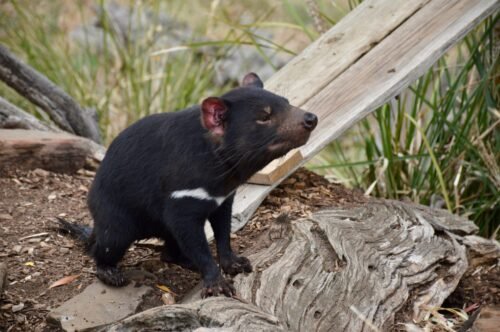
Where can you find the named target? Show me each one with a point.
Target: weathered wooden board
(277, 168)
(400, 55)
(331, 54)
(335, 51)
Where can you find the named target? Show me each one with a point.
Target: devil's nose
(310, 121)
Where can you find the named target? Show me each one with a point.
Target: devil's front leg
(220, 220)
(185, 219)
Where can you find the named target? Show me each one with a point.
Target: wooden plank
(278, 168)
(386, 70)
(393, 65)
(331, 54)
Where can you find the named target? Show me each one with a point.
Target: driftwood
(360, 268)
(12, 117)
(61, 108)
(57, 152)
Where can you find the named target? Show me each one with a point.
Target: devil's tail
(80, 232)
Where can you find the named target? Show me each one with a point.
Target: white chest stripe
(198, 193)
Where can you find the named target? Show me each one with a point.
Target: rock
(17, 248)
(18, 307)
(488, 320)
(41, 172)
(167, 298)
(130, 25)
(98, 305)
(5, 216)
(7, 306)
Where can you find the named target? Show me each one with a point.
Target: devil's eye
(265, 115)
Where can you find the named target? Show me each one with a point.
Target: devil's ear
(213, 115)
(252, 79)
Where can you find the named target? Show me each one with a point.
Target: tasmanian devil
(165, 175)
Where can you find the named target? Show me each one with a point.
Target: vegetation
(438, 143)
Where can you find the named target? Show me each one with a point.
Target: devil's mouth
(278, 146)
(283, 146)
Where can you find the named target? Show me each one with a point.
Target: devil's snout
(310, 121)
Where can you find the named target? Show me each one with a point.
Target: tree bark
(61, 108)
(355, 268)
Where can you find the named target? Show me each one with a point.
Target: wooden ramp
(371, 55)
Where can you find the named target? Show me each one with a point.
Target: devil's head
(252, 125)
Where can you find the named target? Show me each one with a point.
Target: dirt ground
(38, 254)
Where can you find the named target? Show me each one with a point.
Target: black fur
(216, 146)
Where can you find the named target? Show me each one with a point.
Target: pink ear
(213, 115)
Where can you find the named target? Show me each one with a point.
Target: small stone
(5, 216)
(64, 250)
(7, 306)
(83, 188)
(17, 248)
(68, 245)
(167, 298)
(233, 236)
(300, 185)
(52, 196)
(40, 172)
(18, 307)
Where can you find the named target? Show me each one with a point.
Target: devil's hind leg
(172, 253)
(114, 232)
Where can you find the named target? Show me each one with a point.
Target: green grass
(438, 143)
(126, 81)
(123, 81)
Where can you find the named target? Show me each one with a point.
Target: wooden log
(220, 314)
(354, 268)
(57, 152)
(61, 108)
(341, 97)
